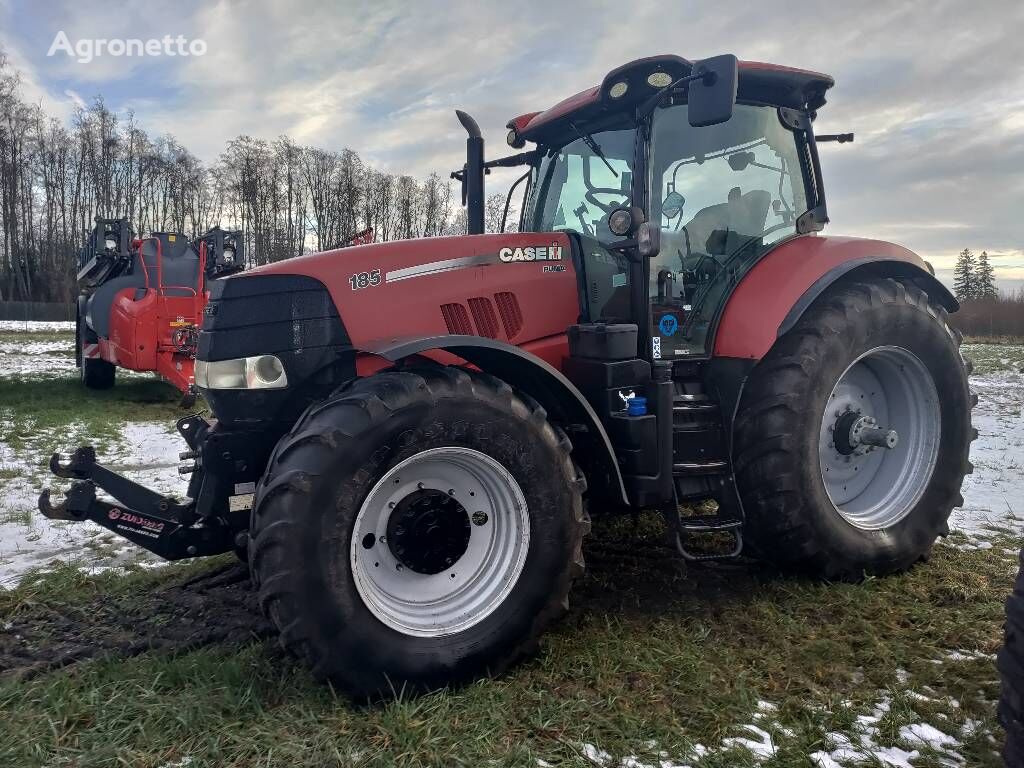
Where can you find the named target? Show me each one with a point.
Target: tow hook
(158, 523)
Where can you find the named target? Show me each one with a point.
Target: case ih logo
(531, 253)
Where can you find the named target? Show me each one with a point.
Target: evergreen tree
(985, 279)
(965, 280)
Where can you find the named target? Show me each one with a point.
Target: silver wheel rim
(874, 487)
(474, 584)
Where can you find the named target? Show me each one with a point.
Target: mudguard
(774, 294)
(525, 372)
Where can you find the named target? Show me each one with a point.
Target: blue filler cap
(636, 406)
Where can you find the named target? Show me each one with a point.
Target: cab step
(687, 527)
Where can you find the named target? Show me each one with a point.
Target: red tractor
(426, 423)
(141, 300)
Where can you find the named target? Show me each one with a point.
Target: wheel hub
(428, 531)
(855, 431)
(440, 541)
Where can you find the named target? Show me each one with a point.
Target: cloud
(932, 88)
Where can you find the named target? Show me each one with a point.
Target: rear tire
(328, 547)
(860, 341)
(94, 372)
(1011, 672)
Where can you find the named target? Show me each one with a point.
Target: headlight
(229, 256)
(258, 372)
(111, 244)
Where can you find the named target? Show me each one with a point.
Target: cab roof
(758, 81)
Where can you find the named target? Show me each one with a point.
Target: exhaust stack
(473, 175)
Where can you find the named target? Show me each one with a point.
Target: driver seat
(741, 218)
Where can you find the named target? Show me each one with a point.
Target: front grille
(257, 314)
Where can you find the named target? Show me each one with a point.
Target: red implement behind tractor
(428, 424)
(141, 300)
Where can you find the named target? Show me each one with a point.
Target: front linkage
(158, 523)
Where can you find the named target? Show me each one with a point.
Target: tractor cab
(717, 156)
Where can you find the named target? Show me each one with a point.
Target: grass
(1000, 340)
(652, 658)
(25, 337)
(44, 407)
(995, 358)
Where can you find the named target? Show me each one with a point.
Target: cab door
(723, 196)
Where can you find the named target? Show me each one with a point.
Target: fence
(37, 310)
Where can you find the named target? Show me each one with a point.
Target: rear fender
(773, 296)
(530, 374)
(868, 268)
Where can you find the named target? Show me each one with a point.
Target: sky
(933, 89)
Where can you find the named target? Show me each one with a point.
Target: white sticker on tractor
(656, 347)
(531, 253)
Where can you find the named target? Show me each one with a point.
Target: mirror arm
(523, 158)
(701, 74)
(838, 138)
(508, 198)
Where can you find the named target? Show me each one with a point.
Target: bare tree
(289, 199)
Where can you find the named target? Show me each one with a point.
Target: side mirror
(672, 205)
(713, 96)
(738, 161)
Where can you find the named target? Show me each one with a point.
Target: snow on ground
(146, 453)
(863, 743)
(994, 494)
(36, 326)
(39, 364)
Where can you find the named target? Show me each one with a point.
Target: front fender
(530, 374)
(775, 293)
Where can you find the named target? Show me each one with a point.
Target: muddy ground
(216, 607)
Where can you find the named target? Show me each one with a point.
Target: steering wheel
(591, 197)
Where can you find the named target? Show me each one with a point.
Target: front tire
(869, 360)
(417, 529)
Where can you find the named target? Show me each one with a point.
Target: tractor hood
(431, 285)
(316, 313)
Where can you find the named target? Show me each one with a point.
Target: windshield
(574, 189)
